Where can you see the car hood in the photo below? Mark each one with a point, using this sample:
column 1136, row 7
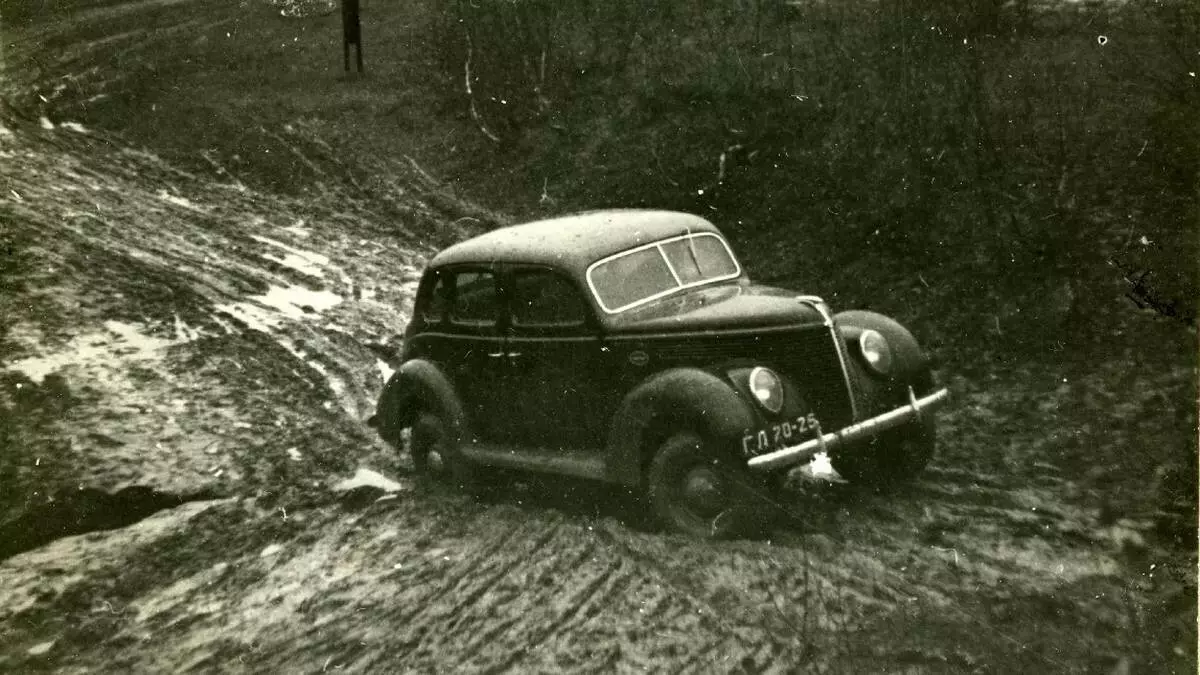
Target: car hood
column 722, row 306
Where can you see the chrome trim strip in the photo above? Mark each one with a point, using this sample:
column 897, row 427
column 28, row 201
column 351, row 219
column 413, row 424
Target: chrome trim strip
column 798, row 454
column 817, row 303
column 711, row 333
column 592, row 287
column 838, row 344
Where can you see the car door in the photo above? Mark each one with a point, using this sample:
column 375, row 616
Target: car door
column 465, row 335
column 554, row 354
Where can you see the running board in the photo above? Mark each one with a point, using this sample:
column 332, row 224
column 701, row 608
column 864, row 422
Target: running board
column 579, row 463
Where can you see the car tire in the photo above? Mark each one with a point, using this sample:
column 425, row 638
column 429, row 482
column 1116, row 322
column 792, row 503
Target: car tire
column 892, row 458
column 693, row 491
column 434, row 454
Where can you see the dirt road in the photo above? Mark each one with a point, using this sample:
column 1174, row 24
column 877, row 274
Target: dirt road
column 185, row 366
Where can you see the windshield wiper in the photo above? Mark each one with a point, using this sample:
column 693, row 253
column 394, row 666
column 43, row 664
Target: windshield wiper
column 695, row 258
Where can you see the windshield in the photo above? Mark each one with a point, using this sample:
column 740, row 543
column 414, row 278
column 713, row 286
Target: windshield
column 652, row 271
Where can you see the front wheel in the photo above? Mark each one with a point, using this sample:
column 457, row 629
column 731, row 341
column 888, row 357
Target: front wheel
column 893, row 457
column 695, row 492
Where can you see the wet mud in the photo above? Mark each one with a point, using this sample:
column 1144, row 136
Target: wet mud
column 186, row 367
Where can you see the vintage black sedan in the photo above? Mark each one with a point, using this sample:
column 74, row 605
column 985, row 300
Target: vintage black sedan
column 631, row 347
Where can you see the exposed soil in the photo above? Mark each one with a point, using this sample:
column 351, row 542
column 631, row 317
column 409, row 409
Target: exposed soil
column 186, row 364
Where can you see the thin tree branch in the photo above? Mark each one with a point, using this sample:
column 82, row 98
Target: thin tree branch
column 471, row 94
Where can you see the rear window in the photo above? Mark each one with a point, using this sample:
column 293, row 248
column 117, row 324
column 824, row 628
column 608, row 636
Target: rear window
column 475, row 300
column 656, row 270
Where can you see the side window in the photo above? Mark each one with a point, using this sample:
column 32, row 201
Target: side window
column 544, row 299
column 475, row 298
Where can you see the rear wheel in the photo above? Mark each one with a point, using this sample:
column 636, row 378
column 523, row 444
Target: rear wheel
column 893, row 457
column 695, row 492
column 434, row 453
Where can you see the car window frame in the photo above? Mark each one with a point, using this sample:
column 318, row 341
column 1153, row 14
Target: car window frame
column 584, row 327
column 447, row 322
column 426, row 295
column 680, row 286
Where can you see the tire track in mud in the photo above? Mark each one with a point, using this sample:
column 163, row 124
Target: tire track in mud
column 493, row 589
column 146, row 277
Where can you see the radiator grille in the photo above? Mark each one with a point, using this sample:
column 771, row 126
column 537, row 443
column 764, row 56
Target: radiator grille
column 808, row 356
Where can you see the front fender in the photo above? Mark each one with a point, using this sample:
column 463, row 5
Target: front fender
column 419, row 384
column 911, row 366
column 675, row 399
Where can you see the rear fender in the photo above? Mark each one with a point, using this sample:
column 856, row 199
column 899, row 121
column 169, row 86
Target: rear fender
column 675, row 399
column 419, row 385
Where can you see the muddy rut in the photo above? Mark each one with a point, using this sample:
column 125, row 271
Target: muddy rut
column 176, row 331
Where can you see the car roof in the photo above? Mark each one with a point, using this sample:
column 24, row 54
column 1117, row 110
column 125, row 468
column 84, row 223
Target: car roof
column 572, row 242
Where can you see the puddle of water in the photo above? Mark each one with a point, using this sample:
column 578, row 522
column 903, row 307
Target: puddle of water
column 127, row 341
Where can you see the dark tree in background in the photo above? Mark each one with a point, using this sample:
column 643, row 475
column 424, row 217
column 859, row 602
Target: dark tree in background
column 1019, row 151
column 351, row 34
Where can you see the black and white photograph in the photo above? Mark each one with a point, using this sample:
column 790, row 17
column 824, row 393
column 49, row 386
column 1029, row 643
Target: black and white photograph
column 582, row 336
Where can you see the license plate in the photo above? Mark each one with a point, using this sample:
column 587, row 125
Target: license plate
column 781, row 435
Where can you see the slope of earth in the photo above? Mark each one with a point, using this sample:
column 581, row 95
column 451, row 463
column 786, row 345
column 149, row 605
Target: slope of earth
column 180, row 345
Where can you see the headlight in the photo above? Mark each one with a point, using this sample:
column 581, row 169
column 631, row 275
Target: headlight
column 767, row 388
column 875, row 351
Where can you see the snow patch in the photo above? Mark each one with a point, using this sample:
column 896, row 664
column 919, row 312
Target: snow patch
column 252, row 316
column 265, row 312
column 185, row 332
column 122, row 339
column 46, row 123
column 339, row 389
column 178, row 201
column 297, row 302
column 298, row 228
column 305, row 262
column 385, row 370
column 74, row 126
column 299, row 263
column 821, row 469
column 368, row 478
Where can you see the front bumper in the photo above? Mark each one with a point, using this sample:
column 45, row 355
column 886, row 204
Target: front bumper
column 824, row 442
